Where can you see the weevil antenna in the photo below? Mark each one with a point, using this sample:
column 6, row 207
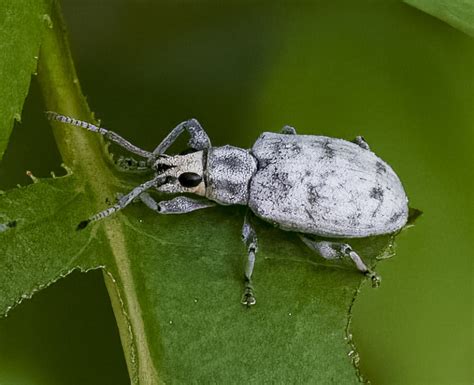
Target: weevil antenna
column 112, row 136
column 123, row 201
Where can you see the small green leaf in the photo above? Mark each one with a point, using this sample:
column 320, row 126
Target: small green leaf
column 21, row 29
column 34, row 252
column 457, row 13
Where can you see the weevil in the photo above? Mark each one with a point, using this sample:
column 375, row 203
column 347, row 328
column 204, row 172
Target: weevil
column 307, row 184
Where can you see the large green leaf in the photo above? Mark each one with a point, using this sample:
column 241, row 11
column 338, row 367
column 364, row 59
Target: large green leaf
column 181, row 281
column 175, row 282
column 21, row 29
column 458, row 13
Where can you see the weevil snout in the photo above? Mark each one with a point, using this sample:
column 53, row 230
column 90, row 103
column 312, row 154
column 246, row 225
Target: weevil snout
column 183, row 173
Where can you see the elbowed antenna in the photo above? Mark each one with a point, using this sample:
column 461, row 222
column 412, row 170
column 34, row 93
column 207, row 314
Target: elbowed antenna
column 123, row 201
column 112, row 136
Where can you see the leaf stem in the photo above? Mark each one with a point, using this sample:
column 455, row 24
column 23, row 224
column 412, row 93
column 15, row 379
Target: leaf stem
column 84, row 153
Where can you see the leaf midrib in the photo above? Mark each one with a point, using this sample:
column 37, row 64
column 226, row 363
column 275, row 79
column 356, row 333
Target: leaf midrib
column 84, row 153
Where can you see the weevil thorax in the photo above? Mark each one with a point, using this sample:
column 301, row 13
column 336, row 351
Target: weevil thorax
column 181, row 173
column 228, row 173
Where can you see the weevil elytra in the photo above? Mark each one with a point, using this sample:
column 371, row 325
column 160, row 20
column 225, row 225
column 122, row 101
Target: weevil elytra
column 311, row 185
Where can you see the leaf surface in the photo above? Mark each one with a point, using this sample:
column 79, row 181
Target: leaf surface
column 457, row 13
column 186, row 274
column 21, row 28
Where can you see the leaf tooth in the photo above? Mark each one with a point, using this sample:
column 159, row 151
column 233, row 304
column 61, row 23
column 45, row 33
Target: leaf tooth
column 32, row 177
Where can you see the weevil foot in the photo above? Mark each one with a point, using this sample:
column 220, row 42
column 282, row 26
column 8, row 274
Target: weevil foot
column 374, row 277
column 249, row 237
column 248, row 298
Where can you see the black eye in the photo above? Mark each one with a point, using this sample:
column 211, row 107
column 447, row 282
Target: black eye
column 189, row 179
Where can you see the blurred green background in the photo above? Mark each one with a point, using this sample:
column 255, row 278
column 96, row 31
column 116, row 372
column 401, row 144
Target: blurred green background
column 400, row 78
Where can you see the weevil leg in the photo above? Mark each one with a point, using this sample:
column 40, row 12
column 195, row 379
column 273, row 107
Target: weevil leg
column 123, row 202
column 249, row 237
column 199, row 139
column 112, row 136
column 288, row 130
column 336, row 250
column 359, row 140
column 178, row 205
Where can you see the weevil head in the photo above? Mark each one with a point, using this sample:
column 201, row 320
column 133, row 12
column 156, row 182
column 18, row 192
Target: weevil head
column 181, row 173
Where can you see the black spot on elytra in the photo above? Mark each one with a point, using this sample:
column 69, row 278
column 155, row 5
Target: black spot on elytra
column 354, row 219
column 329, row 152
column 381, row 169
column 395, row 217
column 310, row 215
column 277, row 186
column 12, row 224
column 274, row 146
column 313, row 194
column 281, row 182
column 376, row 193
column 285, row 149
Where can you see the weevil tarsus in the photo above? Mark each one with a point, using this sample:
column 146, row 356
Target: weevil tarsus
column 335, row 250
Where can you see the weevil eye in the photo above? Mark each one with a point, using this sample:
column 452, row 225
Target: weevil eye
column 189, row 179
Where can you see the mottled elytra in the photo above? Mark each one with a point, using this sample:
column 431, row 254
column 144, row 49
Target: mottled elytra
column 308, row 184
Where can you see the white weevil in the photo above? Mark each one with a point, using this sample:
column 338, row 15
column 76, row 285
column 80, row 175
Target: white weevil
column 311, row 185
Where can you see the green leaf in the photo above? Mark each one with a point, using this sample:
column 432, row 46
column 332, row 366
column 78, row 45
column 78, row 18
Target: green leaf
column 21, row 29
column 175, row 281
column 187, row 285
column 189, row 296
column 457, row 13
